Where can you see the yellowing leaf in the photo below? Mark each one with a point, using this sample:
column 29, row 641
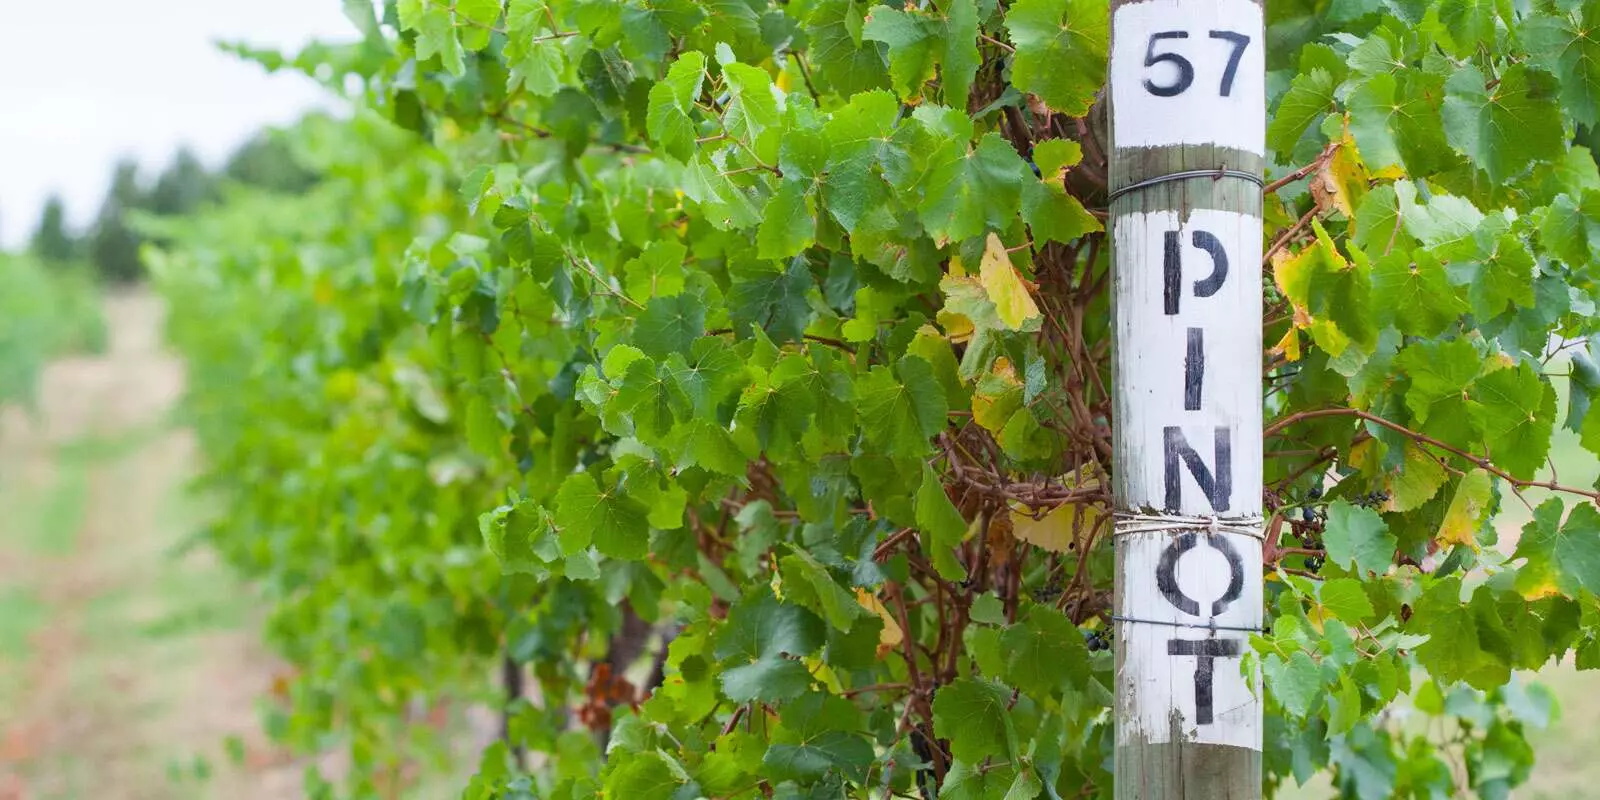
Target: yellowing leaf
column 1415, row 481
column 1065, row 526
column 958, row 327
column 1342, row 181
column 1292, row 273
column 1289, row 345
column 1467, row 511
column 892, row 634
column 1537, row 589
column 1000, row 540
column 1004, row 286
column 1332, row 322
column 997, row 396
column 1054, row 157
column 1363, row 456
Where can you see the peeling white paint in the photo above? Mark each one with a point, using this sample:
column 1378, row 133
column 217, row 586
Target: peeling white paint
column 1156, row 691
column 1174, row 301
column 1148, row 365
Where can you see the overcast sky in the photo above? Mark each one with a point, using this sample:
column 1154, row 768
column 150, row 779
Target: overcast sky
column 83, row 82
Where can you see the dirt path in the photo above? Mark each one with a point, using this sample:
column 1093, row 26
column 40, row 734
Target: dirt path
column 126, row 662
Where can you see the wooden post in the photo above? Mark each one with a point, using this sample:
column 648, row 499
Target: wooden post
column 1188, row 129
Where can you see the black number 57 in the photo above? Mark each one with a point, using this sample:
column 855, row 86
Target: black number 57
column 1185, row 69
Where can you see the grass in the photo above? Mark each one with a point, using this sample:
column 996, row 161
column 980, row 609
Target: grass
column 102, row 567
column 20, row 614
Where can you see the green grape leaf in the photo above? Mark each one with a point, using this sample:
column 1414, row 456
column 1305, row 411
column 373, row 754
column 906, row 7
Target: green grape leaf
column 436, row 33
column 1394, row 126
column 1570, row 552
column 917, row 42
column 1345, row 599
column 1380, row 53
column 1415, row 480
column 788, row 224
column 1506, row 128
column 1564, row 230
column 1062, row 47
column 485, row 431
column 942, row 523
column 1053, row 215
column 1412, row 292
column 856, row 135
column 1465, row 23
column 1295, row 682
column 910, row 38
column 1440, row 373
column 752, row 109
column 772, row 297
column 901, row 410
column 1044, row 653
column 816, row 734
column 647, row 774
column 961, row 60
column 1505, row 278
column 535, row 56
column 1379, row 230
column 755, row 643
column 967, row 781
column 640, row 402
column 1310, row 96
column 725, row 204
column 700, row 383
column 1357, row 538
column 1516, row 408
column 1455, row 649
column 840, row 57
column 974, row 714
column 616, row 524
column 648, row 29
column 671, row 101
column 778, row 406
column 656, row 272
column 967, row 193
column 670, row 325
column 1564, row 44
column 708, row 445
column 1589, row 429
column 1445, row 223
column 807, row 583
column 522, row 537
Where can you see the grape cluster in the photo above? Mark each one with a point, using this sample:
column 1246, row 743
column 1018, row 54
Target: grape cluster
column 1373, row 499
column 1096, row 640
column 1050, row 590
column 1312, row 513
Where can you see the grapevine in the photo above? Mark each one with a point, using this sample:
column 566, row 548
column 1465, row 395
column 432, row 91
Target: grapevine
column 719, row 393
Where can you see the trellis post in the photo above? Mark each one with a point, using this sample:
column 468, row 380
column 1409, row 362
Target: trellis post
column 1188, row 128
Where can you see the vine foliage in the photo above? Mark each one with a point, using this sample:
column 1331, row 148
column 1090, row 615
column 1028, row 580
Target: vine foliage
column 719, row 388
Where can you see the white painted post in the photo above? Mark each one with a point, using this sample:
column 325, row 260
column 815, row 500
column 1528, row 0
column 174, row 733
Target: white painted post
column 1188, row 129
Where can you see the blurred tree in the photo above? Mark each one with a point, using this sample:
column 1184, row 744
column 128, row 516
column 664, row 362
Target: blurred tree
column 267, row 161
column 182, row 187
column 52, row 242
column 113, row 245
